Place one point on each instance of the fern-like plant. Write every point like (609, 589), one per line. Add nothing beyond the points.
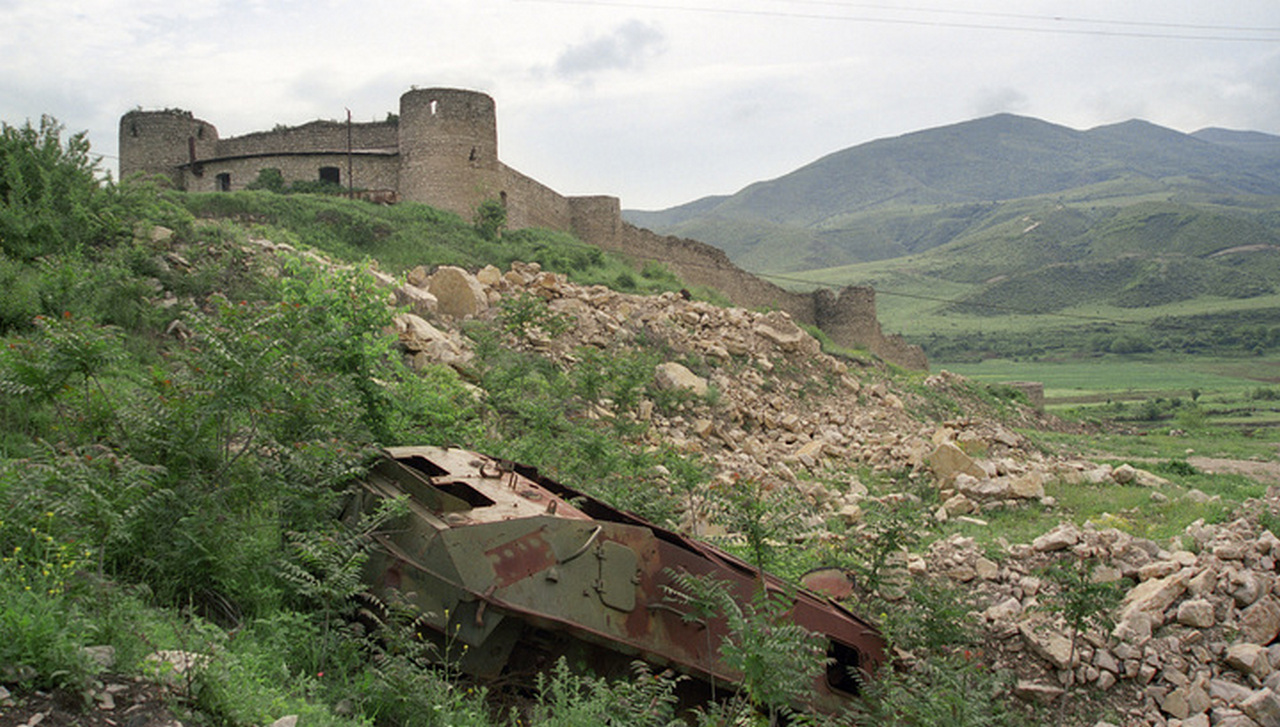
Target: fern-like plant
(776, 658)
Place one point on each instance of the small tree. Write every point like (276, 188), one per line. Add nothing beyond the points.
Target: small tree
(877, 550)
(777, 658)
(50, 197)
(765, 516)
(269, 179)
(1082, 600)
(490, 219)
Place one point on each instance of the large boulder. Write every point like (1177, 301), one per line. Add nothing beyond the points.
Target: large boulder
(674, 376)
(1260, 623)
(947, 461)
(457, 292)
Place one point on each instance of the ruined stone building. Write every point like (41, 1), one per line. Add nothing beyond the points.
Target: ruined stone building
(442, 150)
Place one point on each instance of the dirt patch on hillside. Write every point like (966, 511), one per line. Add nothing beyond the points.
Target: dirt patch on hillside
(116, 702)
(1264, 472)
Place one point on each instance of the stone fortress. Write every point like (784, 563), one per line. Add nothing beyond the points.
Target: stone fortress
(442, 150)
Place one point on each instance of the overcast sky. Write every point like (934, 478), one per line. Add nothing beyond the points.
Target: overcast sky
(660, 102)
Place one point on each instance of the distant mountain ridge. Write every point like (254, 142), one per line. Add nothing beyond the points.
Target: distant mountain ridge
(922, 190)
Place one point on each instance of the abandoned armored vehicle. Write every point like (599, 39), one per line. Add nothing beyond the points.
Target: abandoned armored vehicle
(521, 570)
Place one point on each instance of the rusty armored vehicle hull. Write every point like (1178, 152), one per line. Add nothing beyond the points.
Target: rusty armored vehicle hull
(521, 570)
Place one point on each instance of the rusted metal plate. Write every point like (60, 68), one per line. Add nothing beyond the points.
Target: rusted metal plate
(521, 558)
(536, 567)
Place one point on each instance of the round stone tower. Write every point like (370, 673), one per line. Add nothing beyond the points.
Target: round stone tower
(449, 149)
(159, 142)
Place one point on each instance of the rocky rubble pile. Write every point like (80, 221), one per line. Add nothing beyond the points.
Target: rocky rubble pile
(783, 411)
(1192, 643)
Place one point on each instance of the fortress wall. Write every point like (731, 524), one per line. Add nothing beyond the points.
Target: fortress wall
(448, 144)
(313, 136)
(158, 142)
(596, 219)
(849, 317)
(698, 263)
(532, 204)
(370, 172)
(443, 151)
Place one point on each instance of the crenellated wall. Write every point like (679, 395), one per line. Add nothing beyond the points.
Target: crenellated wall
(443, 151)
(847, 316)
(314, 136)
(530, 203)
(159, 142)
(371, 171)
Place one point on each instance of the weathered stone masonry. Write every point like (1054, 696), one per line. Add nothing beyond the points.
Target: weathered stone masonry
(442, 150)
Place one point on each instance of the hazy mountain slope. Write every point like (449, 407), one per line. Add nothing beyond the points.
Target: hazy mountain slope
(911, 193)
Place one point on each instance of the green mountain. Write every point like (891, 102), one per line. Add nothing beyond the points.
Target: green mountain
(1026, 226)
(923, 190)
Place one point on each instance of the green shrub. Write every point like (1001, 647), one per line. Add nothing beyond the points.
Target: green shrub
(777, 659)
(489, 220)
(270, 180)
(954, 690)
(50, 199)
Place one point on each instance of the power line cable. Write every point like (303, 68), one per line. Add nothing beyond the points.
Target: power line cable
(1039, 18)
(915, 22)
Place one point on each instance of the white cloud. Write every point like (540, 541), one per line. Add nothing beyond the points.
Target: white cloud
(626, 47)
(695, 102)
(991, 101)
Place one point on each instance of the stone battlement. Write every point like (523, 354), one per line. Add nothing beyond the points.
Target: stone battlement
(442, 150)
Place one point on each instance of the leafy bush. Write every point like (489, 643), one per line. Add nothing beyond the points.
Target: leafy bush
(50, 199)
(490, 219)
(777, 659)
(566, 699)
(954, 690)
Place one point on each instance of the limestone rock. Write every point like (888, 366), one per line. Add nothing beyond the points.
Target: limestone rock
(782, 332)
(1263, 707)
(986, 569)
(102, 656)
(1046, 642)
(428, 344)
(1029, 486)
(1186, 700)
(1143, 478)
(1228, 692)
(1152, 597)
(172, 665)
(458, 292)
(672, 375)
(850, 513)
(1124, 474)
(1006, 610)
(1246, 587)
(1249, 659)
(1260, 623)
(489, 275)
(1062, 537)
(1036, 692)
(947, 460)
(1197, 613)
(417, 277)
